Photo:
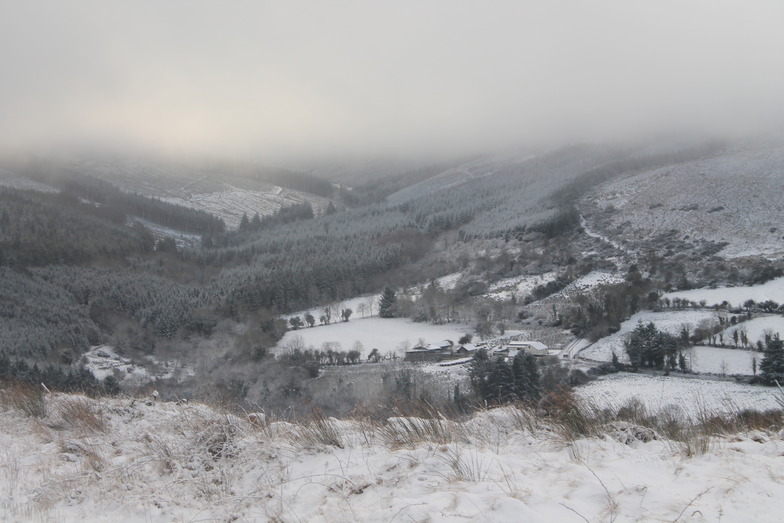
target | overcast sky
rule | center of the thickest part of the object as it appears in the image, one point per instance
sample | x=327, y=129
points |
x=283, y=78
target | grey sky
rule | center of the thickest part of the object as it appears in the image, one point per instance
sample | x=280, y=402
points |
x=278, y=78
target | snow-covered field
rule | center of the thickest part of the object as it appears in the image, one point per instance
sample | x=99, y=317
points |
x=772, y=290
x=688, y=396
x=756, y=328
x=667, y=321
x=710, y=360
x=385, y=334
x=715, y=360
x=126, y=460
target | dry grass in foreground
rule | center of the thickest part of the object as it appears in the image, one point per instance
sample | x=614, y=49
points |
x=164, y=461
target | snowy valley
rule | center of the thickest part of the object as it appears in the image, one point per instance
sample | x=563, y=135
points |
x=469, y=345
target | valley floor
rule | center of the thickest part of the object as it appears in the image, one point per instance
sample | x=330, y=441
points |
x=136, y=460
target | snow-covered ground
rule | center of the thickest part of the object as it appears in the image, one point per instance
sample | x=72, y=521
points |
x=230, y=203
x=599, y=236
x=159, y=231
x=361, y=307
x=675, y=394
x=716, y=360
x=756, y=329
x=518, y=287
x=589, y=281
x=732, y=197
x=449, y=281
x=13, y=181
x=394, y=335
x=126, y=460
x=736, y=296
x=103, y=361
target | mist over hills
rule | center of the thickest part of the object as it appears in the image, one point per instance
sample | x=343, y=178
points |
x=572, y=210
x=267, y=291
x=381, y=260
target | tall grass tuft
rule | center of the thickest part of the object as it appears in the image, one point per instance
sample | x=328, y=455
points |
x=317, y=430
x=572, y=417
x=80, y=414
x=416, y=422
x=24, y=397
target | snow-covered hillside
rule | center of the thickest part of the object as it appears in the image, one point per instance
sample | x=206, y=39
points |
x=454, y=177
x=9, y=179
x=733, y=197
x=229, y=203
x=135, y=460
x=202, y=188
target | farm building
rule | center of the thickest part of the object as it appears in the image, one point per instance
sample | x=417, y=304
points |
x=433, y=352
x=535, y=348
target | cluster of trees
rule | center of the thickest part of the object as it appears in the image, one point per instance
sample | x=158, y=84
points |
x=495, y=380
x=292, y=213
x=55, y=377
x=602, y=311
x=158, y=303
x=325, y=318
x=576, y=188
x=647, y=346
x=546, y=289
x=301, y=264
x=312, y=359
x=40, y=319
x=434, y=305
x=38, y=229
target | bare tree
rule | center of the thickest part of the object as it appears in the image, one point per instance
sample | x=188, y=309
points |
x=370, y=302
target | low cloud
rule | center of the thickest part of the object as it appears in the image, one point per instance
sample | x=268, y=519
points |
x=282, y=79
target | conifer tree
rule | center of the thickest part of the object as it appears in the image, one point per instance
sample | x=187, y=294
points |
x=501, y=382
x=481, y=367
x=772, y=364
x=255, y=223
x=244, y=222
x=386, y=305
x=526, y=376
